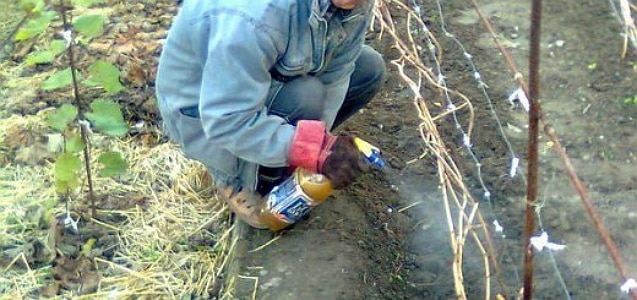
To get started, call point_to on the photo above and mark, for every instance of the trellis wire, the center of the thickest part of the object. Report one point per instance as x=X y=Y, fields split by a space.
x=577 y=184
x=451 y=182
x=452 y=109
x=482 y=86
x=540 y=223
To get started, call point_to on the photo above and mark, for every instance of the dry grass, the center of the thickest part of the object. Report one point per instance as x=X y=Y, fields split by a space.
x=626 y=9
x=20 y=197
x=156 y=240
x=173 y=244
x=10 y=20
x=172 y=235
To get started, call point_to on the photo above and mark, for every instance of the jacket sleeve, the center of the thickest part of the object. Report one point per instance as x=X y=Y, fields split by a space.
x=237 y=53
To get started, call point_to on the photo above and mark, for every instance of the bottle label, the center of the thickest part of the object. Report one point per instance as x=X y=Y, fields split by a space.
x=288 y=202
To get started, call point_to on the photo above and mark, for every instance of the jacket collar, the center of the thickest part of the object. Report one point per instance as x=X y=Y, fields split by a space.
x=324 y=8
x=321 y=7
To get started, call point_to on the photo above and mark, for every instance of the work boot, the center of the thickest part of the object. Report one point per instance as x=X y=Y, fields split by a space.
x=244 y=204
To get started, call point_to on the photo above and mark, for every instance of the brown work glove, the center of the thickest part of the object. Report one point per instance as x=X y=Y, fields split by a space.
x=344 y=163
x=336 y=157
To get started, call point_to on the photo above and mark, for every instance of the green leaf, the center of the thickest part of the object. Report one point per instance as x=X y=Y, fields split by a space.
x=107 y=118
x=63 y=187
x=90 y=83
x=105 y=75
x=35 y=26
x=86 y=3
x=40 y=57
x=60 y=119
x=631 y=100
x=48 y=55
x=58 y=46
x=74 y=143
x=67 y=166
x=112 y=164
x=89 y=25
x=32 y=6
x=58 y=80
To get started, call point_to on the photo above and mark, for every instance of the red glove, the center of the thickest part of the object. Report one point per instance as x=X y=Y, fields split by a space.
x=336 y=157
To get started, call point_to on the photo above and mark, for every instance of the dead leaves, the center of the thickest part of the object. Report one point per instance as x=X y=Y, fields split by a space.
x=134 y=49
x=125 y=53
x=133 y=46
x=78 y=275
x=27 y=144
x=111 y=202
x=20 y=135
x=136 y=75
x=74 y=268
x=71 y=257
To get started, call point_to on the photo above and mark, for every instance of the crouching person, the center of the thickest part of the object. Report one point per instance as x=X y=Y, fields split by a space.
x=252 y=89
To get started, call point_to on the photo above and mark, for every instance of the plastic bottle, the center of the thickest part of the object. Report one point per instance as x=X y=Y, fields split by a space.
x=294 y=198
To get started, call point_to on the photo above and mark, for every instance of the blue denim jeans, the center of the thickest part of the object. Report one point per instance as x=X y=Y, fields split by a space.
x=302 y=98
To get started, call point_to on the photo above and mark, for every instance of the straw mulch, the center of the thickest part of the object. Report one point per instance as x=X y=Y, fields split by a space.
x=169 y=236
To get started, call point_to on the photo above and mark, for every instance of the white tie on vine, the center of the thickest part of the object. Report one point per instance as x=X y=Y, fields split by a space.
x=515 y=162
x=519 y=95
x=69 y=223
x=629 y=285
x=498 y=228
x=67 y=35
x=542 y=241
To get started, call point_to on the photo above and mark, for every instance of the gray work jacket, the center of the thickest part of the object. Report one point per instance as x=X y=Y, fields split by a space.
x=219 y=57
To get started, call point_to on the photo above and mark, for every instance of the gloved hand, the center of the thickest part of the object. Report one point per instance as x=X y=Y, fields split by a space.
x=345 y=162
x=336 y=157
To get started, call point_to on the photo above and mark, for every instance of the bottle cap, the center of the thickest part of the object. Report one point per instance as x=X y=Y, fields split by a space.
x=370 y=152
